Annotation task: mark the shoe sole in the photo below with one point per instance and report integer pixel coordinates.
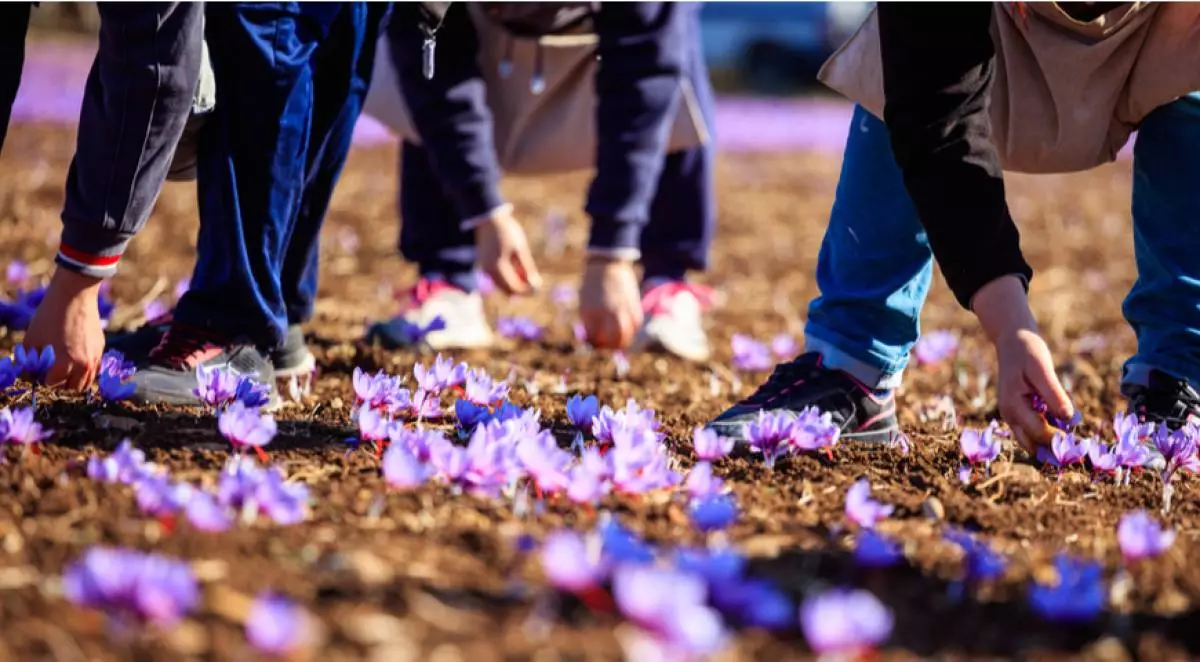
(660, 346)
(882, 437)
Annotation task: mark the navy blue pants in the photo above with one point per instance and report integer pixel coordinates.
(675, 240)
(14, 23)
(291, 81)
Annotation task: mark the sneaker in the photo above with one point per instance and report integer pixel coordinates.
(292, 359)
(465, 323)
(674, 321)
(862, 413)
(170, 377)
(1164, 399)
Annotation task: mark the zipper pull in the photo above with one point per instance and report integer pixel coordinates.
(427, 53)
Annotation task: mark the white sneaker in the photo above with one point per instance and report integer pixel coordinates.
(464, 324)
(674, 321)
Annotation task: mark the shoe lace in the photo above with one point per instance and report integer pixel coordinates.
(658, 299)
(185, 346)
(424, 290)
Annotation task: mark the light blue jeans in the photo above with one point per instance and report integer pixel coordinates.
(876, 265)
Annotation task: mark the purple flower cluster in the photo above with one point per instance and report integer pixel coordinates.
(18, 313)
(275, 625)
(1141, 537)
(935, 347)
(444, 374)
(776, 434)
(115, 375)
(32, 364)
(149, 587)
(519, 328)
(243, 488)
(482, 390)
(862, 509)
(845, 622)
(246, 427)
(219, 387)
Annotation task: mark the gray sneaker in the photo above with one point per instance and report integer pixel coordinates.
(170, 376)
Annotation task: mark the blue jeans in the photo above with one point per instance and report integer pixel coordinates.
(875, 264)
(291, 80)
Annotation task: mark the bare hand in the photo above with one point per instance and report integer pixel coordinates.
(1026, 366)
(610, 303)
(503, 254)
(68, 319)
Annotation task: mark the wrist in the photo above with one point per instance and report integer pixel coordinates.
(1002, 307)
(69, 281)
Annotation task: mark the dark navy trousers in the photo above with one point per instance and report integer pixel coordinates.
(291, 81)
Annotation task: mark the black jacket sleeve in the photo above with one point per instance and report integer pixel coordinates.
(938, 65)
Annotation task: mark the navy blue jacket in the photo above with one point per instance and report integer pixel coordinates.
(642, 48)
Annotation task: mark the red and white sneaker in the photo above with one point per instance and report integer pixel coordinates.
(674, 320)
(464, 324)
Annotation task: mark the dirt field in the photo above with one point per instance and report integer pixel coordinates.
(432, 575)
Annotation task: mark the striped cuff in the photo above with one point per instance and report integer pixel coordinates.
(96, 266)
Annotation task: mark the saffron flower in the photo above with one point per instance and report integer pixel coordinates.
(372, 425)
(1130, 450)
(1104, 460)
(151, 588)
(750, 355)
(568, 563)
(377, 391)
(545, 462)
(935, 347)
(112, 389)
(784, 347)
(251, 394)
(771, 434)
(275, 625)
(710, 446)
(19, 427)
(482, 390)
(1042, 408)
(980, 447)
(1065, 450)
(845, 622)
(246, 427)
(862, 509)
(753, 603)
(590, 478)
(442, 375)
(1141, 537)
(409, 333)
(470, 414)
(813, 431)
(980, 563)
(402, 470)
(872, 550)
(32, 364)
(123, 465)
(8, 373)
(669, 606)
(215, 387)
(714, 513)
(115, 364)
(701, 484)
(582, 411)
(206, 514)
(519, 328)
(1078, 597)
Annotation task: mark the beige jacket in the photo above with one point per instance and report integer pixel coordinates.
(551, 132)
(1067, 94)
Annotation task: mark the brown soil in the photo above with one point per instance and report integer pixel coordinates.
(429, 575)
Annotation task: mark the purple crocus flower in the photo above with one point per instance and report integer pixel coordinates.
(1065, 450)
(862, 509)
(670, 606)
(1142, 537)
(545, 462)
(784, 347)
(582, 411)
(251, 394)
(844, 622)
(721, 566)
(519, 328)
(710, 446)
(1130, 450)
(443, 375)
(17, 272)
(753, 603)
(123, 465)
(284, 503)
(470, 414)
(33, 364)
(149, 587)
(205, 514)
(402, 470)
(935, 347)
(426, 406)
(275, 625)
(114, 363)
(1176, 446)
(979, 561)
(409, 333)
(159, 496)
(482, 390)
(418, 442)
(246, 427)
(449, 460)
(813, 431)
(112, 389)
(376, 391)
(771, 434)
(1039, 405)
(215, 387)
(750, 355)
(372, 425)
(19, 427)
(872, 550)
(980, 447)
(714, 513)
(701, 484)
(8, 373)
(589, 479)
(1104, 460)
(1078, 597)
(507, 411)
(568, 563)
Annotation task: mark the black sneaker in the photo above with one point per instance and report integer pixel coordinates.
(293, 359)
(170, 377)
(864, 414)
(1164, 400)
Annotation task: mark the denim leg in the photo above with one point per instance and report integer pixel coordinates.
(430, 231)
(341, 79)
(14, 23)
(683, 214)
(875, 265)
(252, 164)
(1163, 307)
